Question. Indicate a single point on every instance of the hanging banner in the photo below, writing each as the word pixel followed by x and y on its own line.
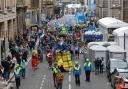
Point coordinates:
pixel 81 17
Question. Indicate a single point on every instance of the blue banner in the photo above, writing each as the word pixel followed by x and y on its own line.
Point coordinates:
pixel 81 17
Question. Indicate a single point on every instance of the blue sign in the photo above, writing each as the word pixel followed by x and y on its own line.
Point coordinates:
pixel 81 17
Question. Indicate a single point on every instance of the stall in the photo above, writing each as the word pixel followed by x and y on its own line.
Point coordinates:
pixel 107 25
pixel 93 35
pixel 98 51
pixel 116 52
pixel 120 37
pixel 101 43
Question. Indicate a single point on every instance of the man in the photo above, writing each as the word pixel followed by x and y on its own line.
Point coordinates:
pixel 54 71
pixel 17 70
pixel 59 80
pixel 77 51
pixel 96 66
pixel 77 72
pixel 87 68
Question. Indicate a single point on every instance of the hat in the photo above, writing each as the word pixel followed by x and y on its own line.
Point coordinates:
pixel 87 59
pixel 76 62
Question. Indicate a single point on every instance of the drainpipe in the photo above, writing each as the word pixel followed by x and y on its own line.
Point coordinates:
pixel 124 40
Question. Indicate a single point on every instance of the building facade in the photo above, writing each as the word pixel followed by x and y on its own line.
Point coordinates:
pixel 21 11
pixel 112 8
pixel 8 24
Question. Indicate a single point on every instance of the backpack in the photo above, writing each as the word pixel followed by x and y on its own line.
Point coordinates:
pixel 60 77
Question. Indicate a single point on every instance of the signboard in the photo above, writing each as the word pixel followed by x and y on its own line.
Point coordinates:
pixel 42 17
pixel 27 15
pixel 62 1
pixel 81 17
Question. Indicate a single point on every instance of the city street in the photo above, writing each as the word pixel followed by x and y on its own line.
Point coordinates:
pixel 42 79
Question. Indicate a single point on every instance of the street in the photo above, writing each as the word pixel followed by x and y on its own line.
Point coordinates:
pixel 42 79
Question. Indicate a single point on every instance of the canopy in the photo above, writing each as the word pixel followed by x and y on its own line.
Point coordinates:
pixel 109 22
pixel 101 43
pixel 120 31
pixel 98 48
pixel 73 5
pixel 115 48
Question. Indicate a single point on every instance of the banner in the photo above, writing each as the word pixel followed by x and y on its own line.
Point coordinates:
pixel 81 17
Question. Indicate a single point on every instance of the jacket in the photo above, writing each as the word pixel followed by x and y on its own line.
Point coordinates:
pixel 23 64
pixel 87 66
pixel 77 70
pixel 17 70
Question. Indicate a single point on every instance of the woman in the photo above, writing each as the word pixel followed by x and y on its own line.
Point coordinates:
pixel 35 60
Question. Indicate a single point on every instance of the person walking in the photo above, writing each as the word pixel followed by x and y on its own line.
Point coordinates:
pixel 96 66
pixel 101 65
pixel 77 72
pixel 77 52
pixel 23 68
pixel 17 70
pixel 59 79
pixel 54 71
pixel 87 68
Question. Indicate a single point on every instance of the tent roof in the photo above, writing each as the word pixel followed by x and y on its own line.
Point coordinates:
pixel 109 22
pixel 98 48
pixel 115 48
pixel 120 31
pixel 101 43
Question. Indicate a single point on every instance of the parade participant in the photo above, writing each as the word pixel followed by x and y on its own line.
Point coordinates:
pixel 49 58
pixel 40 54
pixel 17 69
pixel 77 72
pixel 61 45
pixel 87 68
pixel 77 51
pixel 54 71
pixel 35 60
pixel 59 80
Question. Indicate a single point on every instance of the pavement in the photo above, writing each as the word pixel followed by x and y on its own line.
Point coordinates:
pixel 42 79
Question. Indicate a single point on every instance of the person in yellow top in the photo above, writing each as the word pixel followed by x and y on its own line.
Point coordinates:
pixel 54 72
pixel 17 69
pixel 87 68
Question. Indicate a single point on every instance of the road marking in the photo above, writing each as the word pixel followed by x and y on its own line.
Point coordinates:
pixel 42 82
pixel 69 86
pixel 69 79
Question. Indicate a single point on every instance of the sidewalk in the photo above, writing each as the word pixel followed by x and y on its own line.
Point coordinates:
pixel 8 84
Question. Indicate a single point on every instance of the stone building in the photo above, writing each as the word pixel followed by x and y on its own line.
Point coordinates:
pixel 8 23
pixel 21 11
pixel 112 8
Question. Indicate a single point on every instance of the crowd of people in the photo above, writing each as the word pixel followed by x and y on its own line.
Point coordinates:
pixel 62 39
pixel 99 65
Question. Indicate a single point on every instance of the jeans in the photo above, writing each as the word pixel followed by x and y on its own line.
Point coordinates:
pixel 17 80
pixel 6 75
pixel 77 79
pixel 59 86
pixel 23 73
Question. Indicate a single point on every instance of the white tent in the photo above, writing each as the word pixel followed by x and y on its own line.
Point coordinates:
pixel 108 23
pixel 116 52
pixel 119 36
pixel 98 51
pixel 101 43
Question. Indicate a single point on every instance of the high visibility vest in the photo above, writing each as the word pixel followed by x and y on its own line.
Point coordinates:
pixel 89 64
pixel 17 69
pixel 77 68
pixel 54 70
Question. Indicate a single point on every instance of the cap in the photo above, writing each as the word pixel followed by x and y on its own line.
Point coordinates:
pixel 87 59
pixel 76 62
